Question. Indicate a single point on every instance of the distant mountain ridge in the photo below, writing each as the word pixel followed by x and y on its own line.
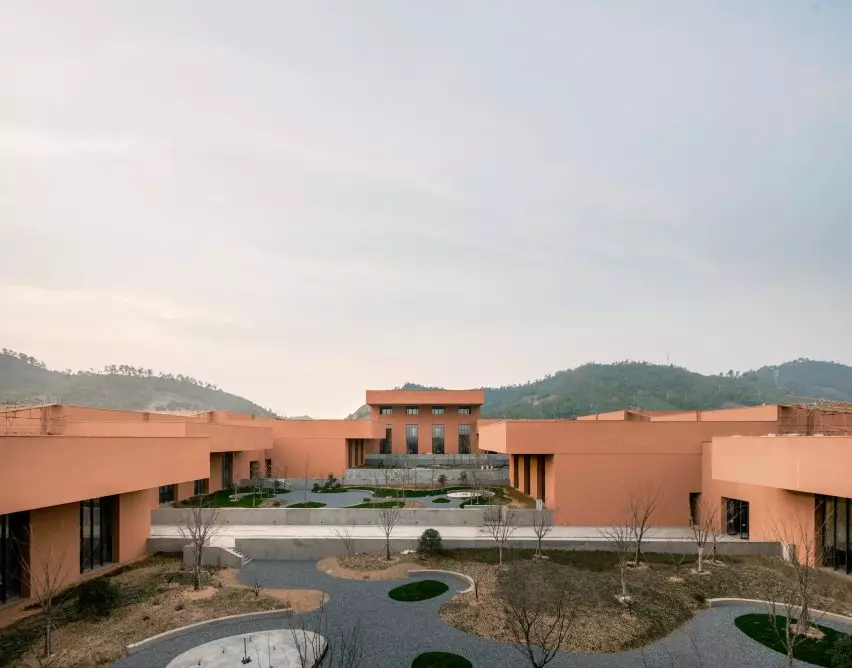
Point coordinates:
pixel 117 386
pixel 599 388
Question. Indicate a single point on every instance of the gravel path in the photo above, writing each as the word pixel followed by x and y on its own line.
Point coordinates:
pixel 394 633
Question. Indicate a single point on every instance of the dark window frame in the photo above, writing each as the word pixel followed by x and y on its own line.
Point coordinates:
pixel 412 443
pixel 464 410
pixel 386 444
pixel 438 410
pixel 464 439
pixel 737 518
pixel 386 410
pixel 97 548
pixel 200 487
pixel 438 440
pixel 412 410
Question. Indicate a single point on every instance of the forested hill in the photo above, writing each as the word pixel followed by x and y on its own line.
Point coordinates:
pixel 117 386
pixel 596 388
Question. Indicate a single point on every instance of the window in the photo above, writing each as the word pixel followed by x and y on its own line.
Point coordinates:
pixel 412 410
pixel 464 439
pixel 834 517
pixel 14 529
pixel 227 469
pixel 254 469
pixel 464 410
pixel 411 439
pixel 167 494
pixel 437 439
pixel 200 487
pixel 437 410
pixel 96 519
pixel 268 468
pixel 386 410
pixel 736 517
pixel 387 442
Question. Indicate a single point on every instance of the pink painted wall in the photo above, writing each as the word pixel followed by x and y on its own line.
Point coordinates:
pixel 55 538
pixel 134 523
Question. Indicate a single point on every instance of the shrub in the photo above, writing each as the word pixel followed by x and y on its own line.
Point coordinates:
pixel 276 484
pixel 316 487
pixel 98 598
pixel 442 480
pixel 841 654
pixel 429 543
pixel 463 476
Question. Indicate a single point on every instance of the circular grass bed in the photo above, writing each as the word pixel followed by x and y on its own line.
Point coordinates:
pixel 441 499
pixel 440 660
pixel 818 651
pixel 307 504
pixel 419 590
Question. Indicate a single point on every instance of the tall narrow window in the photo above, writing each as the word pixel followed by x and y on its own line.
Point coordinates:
pixel 268 468
pixel 437 410
pixel 386 443
pixel 736 517
pixel 464 410
pixel 254 469
pixel 437 439
pixel 227 469
pixel 96 523
pixel 411 439
pixel 200 487
pixel 464 439
pixel 14 532
pixel 412 410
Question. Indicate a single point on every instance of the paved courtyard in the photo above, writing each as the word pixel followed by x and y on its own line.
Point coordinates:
pixel 394 633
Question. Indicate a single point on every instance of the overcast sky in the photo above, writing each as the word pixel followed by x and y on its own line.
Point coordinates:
pixel 300 200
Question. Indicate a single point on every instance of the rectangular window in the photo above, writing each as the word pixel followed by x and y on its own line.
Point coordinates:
pixel 14 533
pixel 412 410
pixel 387 442
pixel 464 439
pixel 834 515
pixel 386 410
pixel 464 410
pixel 411 439
pixel 227 469
pixel 96 520
pixel 254 469
pixel 199 487
pixel 736 517
pixel 437 410
pixel 167 494
pixel 437 439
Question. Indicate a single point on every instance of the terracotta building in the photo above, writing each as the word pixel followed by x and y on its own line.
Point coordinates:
pixel 77 485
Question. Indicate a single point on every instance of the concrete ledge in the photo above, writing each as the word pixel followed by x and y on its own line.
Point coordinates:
pixel 467 578
pixel 822 614
pixel 132 648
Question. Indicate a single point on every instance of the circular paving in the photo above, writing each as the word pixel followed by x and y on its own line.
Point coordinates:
pixel 280 648
pixel 468 494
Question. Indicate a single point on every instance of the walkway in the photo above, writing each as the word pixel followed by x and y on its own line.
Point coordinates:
pixel 394 633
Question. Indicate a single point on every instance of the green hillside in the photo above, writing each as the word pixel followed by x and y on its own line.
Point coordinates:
pixel 594 388
pixel 122 386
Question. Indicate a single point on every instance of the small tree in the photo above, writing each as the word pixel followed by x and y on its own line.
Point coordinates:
pixel 345 536
pixel 542 525
pixel 201 524
pixel 47 573
pixel 476 570
pixel 500 524
pixel 314 644
pixel 620 539
pixel 677 559
pixel 538 611
pixel 388 517
pixel 429 543
pixel 701 531
pixel 641 501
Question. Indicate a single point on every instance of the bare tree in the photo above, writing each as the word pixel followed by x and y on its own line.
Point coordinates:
pixel 345 536
pixel 641 502
pixel 201 524
pixel 620 538
pixel 500 524
pixel 314 644
pixel 677 559
pixel 542 525
pixel 701 530
pixel 539 613
pixel 388 517
pixel 476 570
pixel 47 573
pixel 346 650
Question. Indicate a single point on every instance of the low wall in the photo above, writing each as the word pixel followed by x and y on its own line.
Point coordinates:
pixel 213 556
pixel 435 461
pixel 372 477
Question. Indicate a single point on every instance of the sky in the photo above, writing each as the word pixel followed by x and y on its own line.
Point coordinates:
pixel 298 201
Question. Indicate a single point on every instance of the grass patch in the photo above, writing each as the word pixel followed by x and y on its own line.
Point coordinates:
pixel 759 627
pixel 419 590
pixel 441 499
pixel 222 499
pixel 332 490
pixel 440 660
pixel 379 504
pixel 307 504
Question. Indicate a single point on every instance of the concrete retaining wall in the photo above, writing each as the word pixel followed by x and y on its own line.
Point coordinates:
pixel 220 557
pixel 424 476
pixel 470 516
pixel 435 461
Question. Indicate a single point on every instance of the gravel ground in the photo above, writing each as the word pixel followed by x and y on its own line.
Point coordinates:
pixel 394 633
pixel 345 499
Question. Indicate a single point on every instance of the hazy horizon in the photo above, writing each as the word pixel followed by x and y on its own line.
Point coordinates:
pixel 305 200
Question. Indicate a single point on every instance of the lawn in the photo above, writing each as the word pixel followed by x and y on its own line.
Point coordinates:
pixel 222 499
pixel 817 651
pixel 153 597
pixel 379 504
pixel 441 660
pixel 419 590
pixel 307 504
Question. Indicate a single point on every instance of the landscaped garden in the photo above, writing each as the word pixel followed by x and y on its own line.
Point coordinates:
pixel 833 649
pixel 245 497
